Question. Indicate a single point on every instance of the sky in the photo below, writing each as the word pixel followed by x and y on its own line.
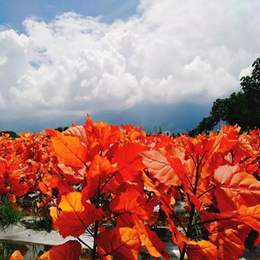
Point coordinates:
pixel 70 58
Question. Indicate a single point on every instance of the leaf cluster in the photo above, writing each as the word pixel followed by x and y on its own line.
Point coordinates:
pixel 117 184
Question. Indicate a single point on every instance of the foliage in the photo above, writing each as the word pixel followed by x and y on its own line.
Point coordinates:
pixel 16 255
pixel 9 213
pixel 67 251
pixel 40 220
pixel 10 133
pixel 98 176
pixel 61 129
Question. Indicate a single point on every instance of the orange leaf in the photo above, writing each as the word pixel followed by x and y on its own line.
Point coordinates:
pixel 162 196
pixel 102 132
pixel 70 250
pixel 249 216
pixel 69 149
pixel 160 168
pixel 100 170
pixel 16 255
pixel 150 240
pixel 227 232
pixel 201 250
pixel 132 201
pixel 18 188
pixel 128 162
pixel 73 214
pixel 206 170
pixel 235 188
pixel 71 176
pixel 121 243
pixel 101 135
pixel 62 186
pixel 230 245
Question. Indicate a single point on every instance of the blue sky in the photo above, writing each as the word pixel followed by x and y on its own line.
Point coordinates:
pixel 14 12
pixel 70 58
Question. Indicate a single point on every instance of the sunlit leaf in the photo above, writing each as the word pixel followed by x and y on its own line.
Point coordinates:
pixel 74 215
pixel 235 188
pixel 159 167
pixel 201 250
pixel 77 131
pixel 69 149
pixel 16 255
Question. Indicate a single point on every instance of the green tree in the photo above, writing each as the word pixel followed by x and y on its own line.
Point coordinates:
pixel 219 111
pixel 237 110
pixel 251 89
pixel 242 108
pixel 11 133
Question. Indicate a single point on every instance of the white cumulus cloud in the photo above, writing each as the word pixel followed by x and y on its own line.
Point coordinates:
pixel 170 51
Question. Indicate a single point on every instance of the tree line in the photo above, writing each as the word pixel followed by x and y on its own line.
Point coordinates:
pixel 242 107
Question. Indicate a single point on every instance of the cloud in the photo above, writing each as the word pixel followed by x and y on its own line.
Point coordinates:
pixel 170 51
pixel 2 102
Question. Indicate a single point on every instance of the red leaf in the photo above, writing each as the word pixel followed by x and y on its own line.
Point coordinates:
pixel 229 244
pixel 73 215
pixel 100 171
pixel 71 176
pixel 235 188
pixel 202 250
pixel 121 243
pixel 127 159
pixel 154 246
pixel 132 201
pixel 70 250
pixel 227 232
pixel 249 216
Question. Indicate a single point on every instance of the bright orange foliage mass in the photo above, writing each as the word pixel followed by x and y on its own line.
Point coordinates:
pixel 122 183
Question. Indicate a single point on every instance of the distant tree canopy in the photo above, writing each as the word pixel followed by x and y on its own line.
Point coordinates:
pixel 11 133
pixel 61 129
pixel 242 108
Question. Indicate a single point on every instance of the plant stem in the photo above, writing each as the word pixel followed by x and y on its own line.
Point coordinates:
pixel 183 252
pixel 192 212
pixel 84 243
pixel 96 227
pixel 94 243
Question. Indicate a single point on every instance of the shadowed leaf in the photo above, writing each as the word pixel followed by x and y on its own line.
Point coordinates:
pixel 202 250
pixel 121 243
pixel 150 240
pixel 70 250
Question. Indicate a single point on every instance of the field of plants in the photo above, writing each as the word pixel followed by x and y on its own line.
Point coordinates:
pixel 117 184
